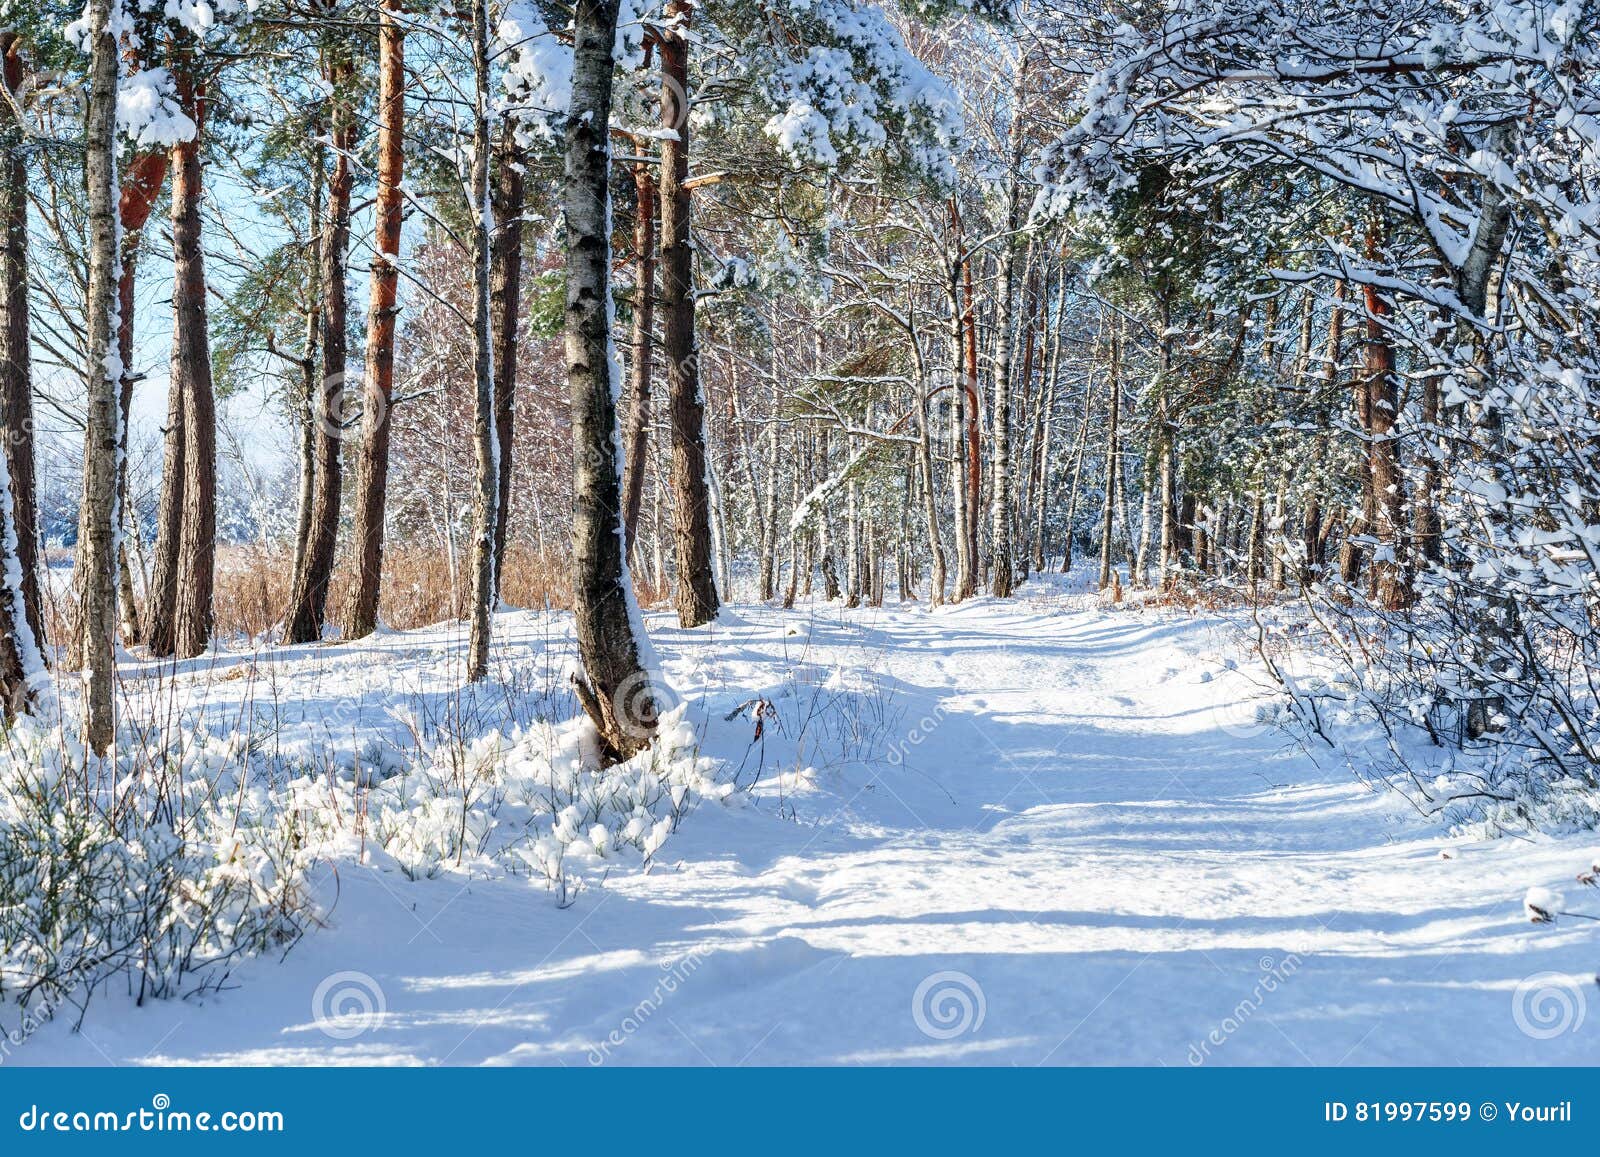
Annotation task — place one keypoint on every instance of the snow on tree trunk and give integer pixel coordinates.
(1005, 304)
(485, 443)
(97, 514)
(618, 688)
(1113, 456)
(16, 366)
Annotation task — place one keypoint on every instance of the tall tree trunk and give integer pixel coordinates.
(309, 598)
(615, 689)
(21, 661)
(1333, 352)
(159, 620)
(1426, 528)
(1183, 528)
(974, 449)
(1069, 531)
(793, 585)
(136, 201)
(852, 535)
(485, 443)
(191, 367)
(1380, 407)
(1167, 480)
(769, 521)
(1163, 445)
(161, 600)
(97, 514)
(305, 408)
(930, 505)
(1148, 492)
(16, 364)
(1280, 516)
(372, 472)
(1044, 423)
(636, 440)
(1256, 537)
(1311, 538)
(1000, 513)
(505, 301)
(960, 388)
(830, 571)
(697, 588)
(1113, 457)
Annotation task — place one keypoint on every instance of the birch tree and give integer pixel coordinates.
(97, 519)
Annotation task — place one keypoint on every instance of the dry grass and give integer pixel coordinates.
(1213, 596)
(420, 586)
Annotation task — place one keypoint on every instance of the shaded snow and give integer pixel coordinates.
(1036, 832)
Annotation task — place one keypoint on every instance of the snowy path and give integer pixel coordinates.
(1085, 841)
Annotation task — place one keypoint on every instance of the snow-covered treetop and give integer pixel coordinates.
(148, 112)
(842, 82)
(835, 76)
(537, 62)
(1432, 108)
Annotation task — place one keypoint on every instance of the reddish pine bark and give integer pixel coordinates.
(191, 373)
(16, 365)
(697, 590)
(372, 475)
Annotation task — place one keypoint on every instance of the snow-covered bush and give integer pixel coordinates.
(1380, 692)
(536, 801)
(157, 871)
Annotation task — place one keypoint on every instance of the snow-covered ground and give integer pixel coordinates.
(1020, 833)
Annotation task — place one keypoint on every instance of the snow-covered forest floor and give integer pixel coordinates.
(1039, 831)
